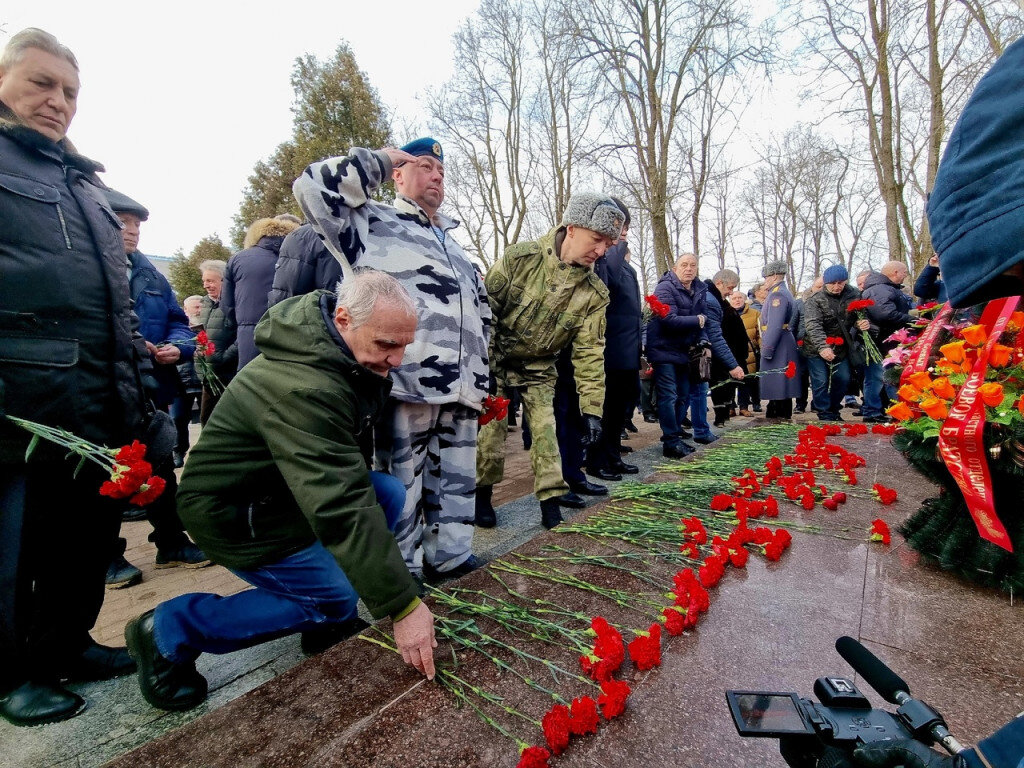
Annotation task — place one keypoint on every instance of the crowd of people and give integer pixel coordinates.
(351, 410)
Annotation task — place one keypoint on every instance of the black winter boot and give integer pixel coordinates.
(486, 517)
(550, 513)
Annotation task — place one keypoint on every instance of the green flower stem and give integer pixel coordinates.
(619, 597)
(457, 685)
(85, 450)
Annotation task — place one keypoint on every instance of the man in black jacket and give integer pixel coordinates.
(68, 360)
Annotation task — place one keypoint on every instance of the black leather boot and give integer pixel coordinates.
(40, 703)
(550, 513)
(318, 640)
(486, 517)
(100, 662)
(165, 684)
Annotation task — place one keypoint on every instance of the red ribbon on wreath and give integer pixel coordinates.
(923, 347)
(961, 437)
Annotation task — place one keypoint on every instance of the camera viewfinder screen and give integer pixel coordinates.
(769, 712)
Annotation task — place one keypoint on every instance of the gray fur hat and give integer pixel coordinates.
(595, 212)
(774, 268)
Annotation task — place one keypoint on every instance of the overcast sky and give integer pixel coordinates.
(179, 100)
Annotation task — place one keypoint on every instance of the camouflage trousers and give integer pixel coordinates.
(431, 449)
(538, 405)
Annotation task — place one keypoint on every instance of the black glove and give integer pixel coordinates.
(591, 430)
(906, 752)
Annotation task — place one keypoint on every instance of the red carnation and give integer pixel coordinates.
(534, 757)
(556, 728)
(790, 370)
(129, 454)
(839, 497)
(202, 338)
(493, 408)
(694, 530)
(721, 502)
(583, 717)
(148, 492)
(691, 550)
(860, 304)
(613, 698)
(830, 504)
(657, 306)
(675, 620)
(883, 494)
(880, 532)
(645, 649)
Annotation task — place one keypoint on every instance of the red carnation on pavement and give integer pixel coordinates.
(883, 494)
(645, 649)
(675, 620)
(880, 532)
(613, 698)
(583, 717)
(691, 550)
(830, 504)
(534, 757)
(555, 724)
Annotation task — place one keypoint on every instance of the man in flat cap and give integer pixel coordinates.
(427, 435)
(169, 340)
(545, 297)
(778, 345)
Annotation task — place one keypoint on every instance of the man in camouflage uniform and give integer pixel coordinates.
(545, 296)
(427, 436)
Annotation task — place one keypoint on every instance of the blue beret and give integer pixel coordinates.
(425, 146)
(835, 273)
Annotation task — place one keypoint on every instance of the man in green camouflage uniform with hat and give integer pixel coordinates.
(545, 296)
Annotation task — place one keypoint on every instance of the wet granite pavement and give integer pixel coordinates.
(770, 626)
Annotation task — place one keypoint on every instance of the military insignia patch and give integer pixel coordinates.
(436, 149)
(776, 302)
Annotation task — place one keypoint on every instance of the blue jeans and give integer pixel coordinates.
(699, 409)
(299, 592)
(872, 390)
(828, 397)
(672, 384)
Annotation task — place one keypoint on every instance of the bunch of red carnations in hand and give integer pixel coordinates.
(131, 476)
(871, 352)
(204, 351)
(658, 307)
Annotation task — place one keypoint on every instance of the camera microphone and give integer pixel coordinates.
(921, 719)
(888, 684)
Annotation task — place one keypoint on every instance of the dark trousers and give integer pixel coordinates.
(779, 409)
(206, 405)
(622, 388)
(181, 412)
(828, 385)
(749, 393)
(55, 535)
(805, 381)
(568, 422)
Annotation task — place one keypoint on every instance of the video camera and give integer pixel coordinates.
(824, 735)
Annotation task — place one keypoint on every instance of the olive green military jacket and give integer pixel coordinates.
(542, 305)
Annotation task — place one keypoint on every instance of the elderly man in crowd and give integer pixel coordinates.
(546, 297)
(889, 313)
(224, 360)
(277, 489)
(778, 345)
(67, 360)
(427, 437)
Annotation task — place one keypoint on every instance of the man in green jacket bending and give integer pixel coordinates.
(277, 490)
(544, 296)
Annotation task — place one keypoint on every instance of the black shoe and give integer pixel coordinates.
(650, 418)
(604, 474)
(164, 683)
(720, 424)
(757, 409)
(858, 412)
(572, 500)
(486, 517)
(550, 514)
(40, 703)
(432, 576)
(187, 555)
(684, 435)
(121, 574)
(685, 423)
(798, 409)
(100, 662)
(626, 469)
(587, 488)
(879, 419)
(623, 435)
(318, 640)
(705, 440)
(630, 426)
(179, 459)
(675, 451)
(133, 515)
(625, 449)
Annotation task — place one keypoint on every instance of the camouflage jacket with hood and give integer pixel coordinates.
(542, 305)
(447, 361)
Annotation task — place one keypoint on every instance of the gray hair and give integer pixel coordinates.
(214, 265)
(360, 294)
(726, 277)
(32, 37)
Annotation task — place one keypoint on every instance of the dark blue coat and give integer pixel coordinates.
(67, 356)
(624, 316)
(303, 265)
(245, 292)
(976, 207)
(929, 286)
(669, 338)
(161, 321)
(891, 310)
